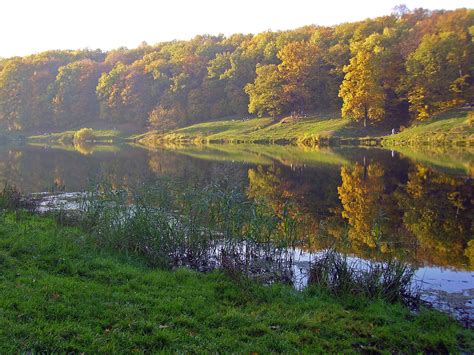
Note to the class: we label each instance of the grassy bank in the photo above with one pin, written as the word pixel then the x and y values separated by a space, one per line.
pixel 450 128
pixel 60 293
pixel 455 127
pixel 320 129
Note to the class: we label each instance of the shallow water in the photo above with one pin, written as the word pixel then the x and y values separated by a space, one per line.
pixel 415 205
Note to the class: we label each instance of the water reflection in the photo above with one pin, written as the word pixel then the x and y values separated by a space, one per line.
pixel 377 209
pixel 371 203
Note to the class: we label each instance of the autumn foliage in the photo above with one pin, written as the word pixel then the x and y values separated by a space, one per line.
pixel 387 70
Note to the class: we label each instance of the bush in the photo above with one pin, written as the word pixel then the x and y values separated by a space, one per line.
pixel 84 135
pixel 164 119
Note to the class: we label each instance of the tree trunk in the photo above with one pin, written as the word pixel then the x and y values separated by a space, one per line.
pixel 365 117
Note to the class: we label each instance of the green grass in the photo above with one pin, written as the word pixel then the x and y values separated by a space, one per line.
pixel 450 128
pixel 453 127
pixel 59 293
pixel 307 131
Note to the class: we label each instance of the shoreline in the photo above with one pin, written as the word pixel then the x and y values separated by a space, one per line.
pixel 453 128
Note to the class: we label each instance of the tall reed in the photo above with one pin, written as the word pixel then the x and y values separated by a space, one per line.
pixel 392 281
pixel 172 225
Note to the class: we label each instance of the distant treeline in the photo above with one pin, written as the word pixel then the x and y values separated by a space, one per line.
pixel 410 64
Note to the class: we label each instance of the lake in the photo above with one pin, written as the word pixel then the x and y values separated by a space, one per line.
pixel 375 204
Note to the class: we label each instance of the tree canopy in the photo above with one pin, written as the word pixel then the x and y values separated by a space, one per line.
pixel 409 65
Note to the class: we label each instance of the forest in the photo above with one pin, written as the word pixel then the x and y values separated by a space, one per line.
pixel 389 70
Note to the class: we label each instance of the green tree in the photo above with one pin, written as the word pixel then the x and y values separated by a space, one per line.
pixel 266 93
pixel 439 73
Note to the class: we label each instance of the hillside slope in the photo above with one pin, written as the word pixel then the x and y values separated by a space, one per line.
pixel 454 127
pixel 317 129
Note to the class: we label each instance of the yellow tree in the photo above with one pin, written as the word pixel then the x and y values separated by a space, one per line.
pixel 298 69
pixel 361 90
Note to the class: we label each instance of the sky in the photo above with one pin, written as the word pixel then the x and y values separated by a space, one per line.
pixel 31 26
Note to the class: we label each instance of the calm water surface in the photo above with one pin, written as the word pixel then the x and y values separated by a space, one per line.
pixel 374 203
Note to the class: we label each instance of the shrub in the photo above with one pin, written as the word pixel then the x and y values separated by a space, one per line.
pixel 84 135
pixel 164 119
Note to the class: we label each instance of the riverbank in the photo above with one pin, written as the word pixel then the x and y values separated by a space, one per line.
pixel 322 129
pixel 450 128
pixel 60 293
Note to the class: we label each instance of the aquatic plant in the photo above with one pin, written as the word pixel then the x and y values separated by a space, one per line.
pixel 339 274
pixel 173 225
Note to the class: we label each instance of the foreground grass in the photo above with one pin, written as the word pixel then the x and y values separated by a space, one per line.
pixel 454 127
pixel 58 293
pixel 317 129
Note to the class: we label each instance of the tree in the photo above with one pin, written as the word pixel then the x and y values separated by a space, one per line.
pixel 439 74
pixel 361 91
pixel 164 119
pixel 266 93
pixel 377 69
pixel 24 83
pixel 300 62
pixel 73 93
pixel 126 93
pixel 83 135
